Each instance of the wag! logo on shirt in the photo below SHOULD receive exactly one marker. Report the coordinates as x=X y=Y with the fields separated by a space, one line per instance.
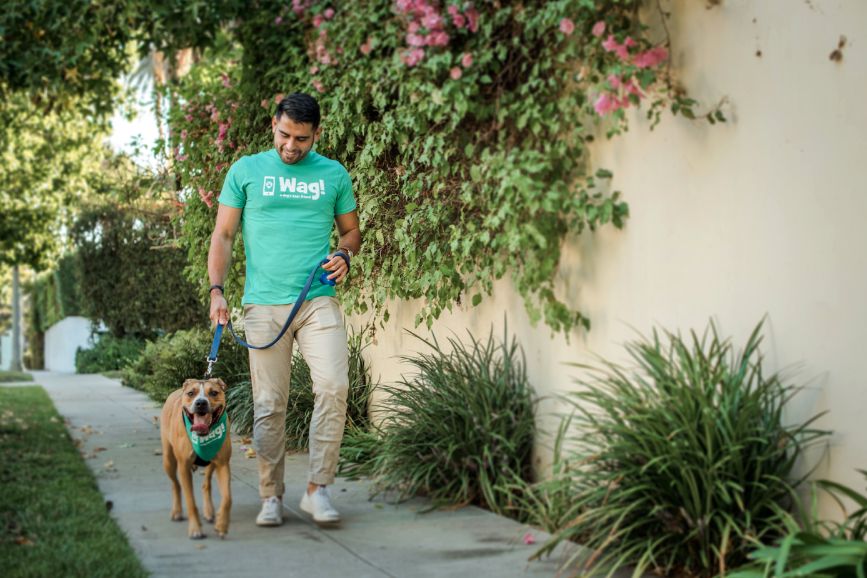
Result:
x=292 y=188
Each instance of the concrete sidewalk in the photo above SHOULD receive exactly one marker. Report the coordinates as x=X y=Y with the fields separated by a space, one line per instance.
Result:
x=120 y=440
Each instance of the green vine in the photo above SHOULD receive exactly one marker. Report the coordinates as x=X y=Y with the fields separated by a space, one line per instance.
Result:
x=464 y=126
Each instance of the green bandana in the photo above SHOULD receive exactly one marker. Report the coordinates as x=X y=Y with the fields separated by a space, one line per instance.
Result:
x=207 y=446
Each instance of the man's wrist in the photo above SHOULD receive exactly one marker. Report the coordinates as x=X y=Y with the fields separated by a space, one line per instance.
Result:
x=215 y=286
x=346 y=250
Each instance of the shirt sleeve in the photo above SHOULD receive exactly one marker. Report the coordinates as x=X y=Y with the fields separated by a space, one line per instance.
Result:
x=233 y=193
x=345 y=198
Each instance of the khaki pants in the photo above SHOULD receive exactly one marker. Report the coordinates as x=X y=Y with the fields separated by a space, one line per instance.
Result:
x=319 y=330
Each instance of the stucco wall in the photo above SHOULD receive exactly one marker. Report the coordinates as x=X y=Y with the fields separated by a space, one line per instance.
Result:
x=762 y=216
x=63 y=339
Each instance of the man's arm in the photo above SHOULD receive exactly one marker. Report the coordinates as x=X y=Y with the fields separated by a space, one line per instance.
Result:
x=350 y=238
x=219 y=256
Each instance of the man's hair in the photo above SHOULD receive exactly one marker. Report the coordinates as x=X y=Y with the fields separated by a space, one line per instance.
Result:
x=299 y=107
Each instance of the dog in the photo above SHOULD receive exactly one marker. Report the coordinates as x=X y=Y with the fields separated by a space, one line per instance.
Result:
x=199 y=405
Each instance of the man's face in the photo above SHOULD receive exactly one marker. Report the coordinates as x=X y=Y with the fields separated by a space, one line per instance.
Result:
x=293 y=140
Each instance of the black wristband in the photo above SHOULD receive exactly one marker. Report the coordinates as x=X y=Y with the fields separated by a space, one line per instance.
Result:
x=220 y=287
x=342 y=255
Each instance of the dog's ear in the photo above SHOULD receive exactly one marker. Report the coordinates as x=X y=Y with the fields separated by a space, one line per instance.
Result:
x=221 y=383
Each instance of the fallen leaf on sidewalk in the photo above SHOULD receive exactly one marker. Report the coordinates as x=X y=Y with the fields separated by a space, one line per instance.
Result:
x=100 y=449
x=109 y=466
x=158 y=452
x=529 y=539
x=200 y=546
x=246 y=441
x=251 y=453
x=128 y=445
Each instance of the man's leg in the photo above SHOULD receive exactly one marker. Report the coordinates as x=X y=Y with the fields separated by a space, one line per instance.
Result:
x=321 y=337
x=270 y=374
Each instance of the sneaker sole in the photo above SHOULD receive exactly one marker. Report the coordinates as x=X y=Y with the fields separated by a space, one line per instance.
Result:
x=269 y=523
x=320 y=522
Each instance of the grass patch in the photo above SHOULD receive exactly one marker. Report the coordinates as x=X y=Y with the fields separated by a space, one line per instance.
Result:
x=53 y=520
x=113 y=374
x=10 y=376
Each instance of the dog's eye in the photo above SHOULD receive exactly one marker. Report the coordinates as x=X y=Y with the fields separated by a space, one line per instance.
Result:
x=191 y=393
x=213 y=393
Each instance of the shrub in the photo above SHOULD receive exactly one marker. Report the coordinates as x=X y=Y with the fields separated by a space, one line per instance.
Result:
x=300 y=405
x=821 y=549
x=687 y=460
x=107 y=354
x=460 y=429
x=167 y=361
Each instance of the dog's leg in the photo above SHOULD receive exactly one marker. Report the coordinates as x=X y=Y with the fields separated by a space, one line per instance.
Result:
x=206 y=494
x=195 y=525
x=170 y=465
x=224 y=479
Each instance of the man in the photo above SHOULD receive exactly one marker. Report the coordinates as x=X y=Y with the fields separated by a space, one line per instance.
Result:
x=286 y=200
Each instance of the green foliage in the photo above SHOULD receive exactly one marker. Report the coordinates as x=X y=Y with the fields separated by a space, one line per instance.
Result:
x=300 y=405
x=55 y=294
x=458 y=431
x=10 y=376
x=132 y=274
x=818 y=548
x=468 y=165
x=169 y=360
x=108 y=353
x=53 y=520
x=683 y=460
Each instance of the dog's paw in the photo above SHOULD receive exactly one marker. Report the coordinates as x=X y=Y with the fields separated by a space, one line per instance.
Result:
x=197 y=535
x=209 y=519
x=178 y=517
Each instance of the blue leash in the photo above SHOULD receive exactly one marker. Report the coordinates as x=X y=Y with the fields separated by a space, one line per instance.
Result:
x=218 y=334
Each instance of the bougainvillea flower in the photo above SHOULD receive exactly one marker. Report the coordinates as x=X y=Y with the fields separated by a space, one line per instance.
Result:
x=598 y=29
x=467 y=60
x=567 y=27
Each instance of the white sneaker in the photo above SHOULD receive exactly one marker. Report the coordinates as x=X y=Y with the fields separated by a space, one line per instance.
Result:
x=318 y=505
x=271 y=513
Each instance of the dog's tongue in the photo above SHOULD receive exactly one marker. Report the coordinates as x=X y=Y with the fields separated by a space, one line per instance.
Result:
x=201 y=424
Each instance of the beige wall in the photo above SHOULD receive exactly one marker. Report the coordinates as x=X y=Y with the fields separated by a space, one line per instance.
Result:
x=766 y=215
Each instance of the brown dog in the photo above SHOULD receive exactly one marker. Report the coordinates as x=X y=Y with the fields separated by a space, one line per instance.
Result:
x=200 y=405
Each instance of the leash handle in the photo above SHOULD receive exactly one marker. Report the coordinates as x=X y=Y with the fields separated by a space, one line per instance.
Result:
x=324 y=277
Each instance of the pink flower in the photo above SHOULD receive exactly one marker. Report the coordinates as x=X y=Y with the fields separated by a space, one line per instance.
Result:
x=529 y=539
x=278 y=21
x=599 y=29
x=412 y=57
x=184 y=134
x=473 y=19
x=413 y=27
x=278 y=97
x=206 y=196
x=367 y=46
x=329 y=13
x=226 y=82
x=318 y=85
x=610 y=44
x=614 y=81
x=459 y=20
x=629 y=42
x=650 y=58
x=455 y=73
x=467 y=60
x=188 y=117
x=314 y=69
x=567 y=27
x=264 y=103
x=438 y=38
x=605 y=104
x=299 y=6
x=415 y=39
x=432 y=21
x=318 y=20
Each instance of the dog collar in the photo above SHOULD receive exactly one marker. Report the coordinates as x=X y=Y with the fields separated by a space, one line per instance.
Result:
x=207 y=446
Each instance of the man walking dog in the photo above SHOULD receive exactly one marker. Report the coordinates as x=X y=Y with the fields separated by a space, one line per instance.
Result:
x=287 y=200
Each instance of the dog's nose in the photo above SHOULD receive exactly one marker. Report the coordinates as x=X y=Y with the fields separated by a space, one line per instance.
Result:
x=200 y=406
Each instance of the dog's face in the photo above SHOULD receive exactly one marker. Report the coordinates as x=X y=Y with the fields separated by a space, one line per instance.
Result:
x=204 y=401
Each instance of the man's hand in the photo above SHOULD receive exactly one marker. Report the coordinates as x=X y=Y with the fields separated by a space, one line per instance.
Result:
x=219 y=308
x=337 y=268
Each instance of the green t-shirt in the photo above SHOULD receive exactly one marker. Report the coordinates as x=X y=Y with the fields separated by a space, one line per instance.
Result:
x=288 y=216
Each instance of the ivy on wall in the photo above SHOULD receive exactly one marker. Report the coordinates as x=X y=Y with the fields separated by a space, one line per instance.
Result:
x=464 y=126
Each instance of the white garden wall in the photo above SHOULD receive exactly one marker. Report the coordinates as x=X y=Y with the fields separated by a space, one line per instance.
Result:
x=763 y=216
x=63 y=339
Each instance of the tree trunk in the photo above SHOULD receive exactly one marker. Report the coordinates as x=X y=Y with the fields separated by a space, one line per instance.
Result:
x=16 y=321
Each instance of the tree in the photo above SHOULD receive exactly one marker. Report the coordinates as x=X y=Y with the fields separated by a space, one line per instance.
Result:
x=44 y=162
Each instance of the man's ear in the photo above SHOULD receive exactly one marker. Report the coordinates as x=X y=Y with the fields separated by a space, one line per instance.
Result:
x=221 y=383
